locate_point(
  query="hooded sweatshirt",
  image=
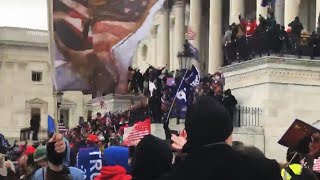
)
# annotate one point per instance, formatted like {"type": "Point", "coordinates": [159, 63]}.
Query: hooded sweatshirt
{"type": "Point", "coordinates": [113, 173]}
{"type": "Point", "coordinates": [115, 164]}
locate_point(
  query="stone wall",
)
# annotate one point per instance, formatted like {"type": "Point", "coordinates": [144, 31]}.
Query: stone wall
{"type": "Point", "coordinates": [284, 89]}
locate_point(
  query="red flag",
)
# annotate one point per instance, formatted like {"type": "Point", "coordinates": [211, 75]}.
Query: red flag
{"type": "Point", "coordinates": [138, 131]}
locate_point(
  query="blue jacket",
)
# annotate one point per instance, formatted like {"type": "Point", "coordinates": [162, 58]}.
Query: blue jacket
{"type": "Point", "coordinates": [76, 174]}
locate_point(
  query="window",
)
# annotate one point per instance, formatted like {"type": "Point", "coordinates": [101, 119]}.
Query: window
{"type": "Point", "coordinates": [36, 76]}
{"type": "Point", "coordinates": [64, 117]}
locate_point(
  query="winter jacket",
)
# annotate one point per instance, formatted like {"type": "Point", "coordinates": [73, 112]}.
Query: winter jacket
{"type": "Point", "coordinates": [76, 174]}
{"type": "Point", "coordinates": [221, 162]}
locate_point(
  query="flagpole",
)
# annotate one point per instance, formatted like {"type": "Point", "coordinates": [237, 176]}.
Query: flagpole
{"type": "Point", "coordinates": [175, 97]}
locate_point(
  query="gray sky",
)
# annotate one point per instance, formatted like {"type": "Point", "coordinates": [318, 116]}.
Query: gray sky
{"type": "Point", "coordinates": [24, 13]}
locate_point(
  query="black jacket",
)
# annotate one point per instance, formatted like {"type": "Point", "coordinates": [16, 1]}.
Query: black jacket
{"type": "Point", "coordinates": [221, 162]}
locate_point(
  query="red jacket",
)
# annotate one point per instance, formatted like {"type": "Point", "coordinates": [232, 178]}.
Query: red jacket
{"type": "Point", "coordinates": [113, 173]}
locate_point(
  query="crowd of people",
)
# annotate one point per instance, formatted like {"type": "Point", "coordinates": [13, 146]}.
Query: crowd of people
{"type": "Point", "coordinates": [243, 41]}
{"type": "Point", "coordinates": [198, 152]}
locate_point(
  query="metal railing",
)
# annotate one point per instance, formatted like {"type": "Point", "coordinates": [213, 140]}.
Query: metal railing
{"type": "Point", "coordinates": [262, 44]}
{"type": "Point", "coordinates": [246, 116]}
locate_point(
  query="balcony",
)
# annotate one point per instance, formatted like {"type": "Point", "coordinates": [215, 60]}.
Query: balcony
{"type": "Point", "coordinates": [266, 43]}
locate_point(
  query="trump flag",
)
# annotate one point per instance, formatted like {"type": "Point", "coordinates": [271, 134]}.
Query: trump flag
{"type": "Point", "coordinates": [93, 41]}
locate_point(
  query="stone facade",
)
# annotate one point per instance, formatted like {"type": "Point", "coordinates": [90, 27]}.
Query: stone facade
{"type": "Point", "coordinates": [22, 52]}
{"type": "Point", "coordinates": [284, 89]}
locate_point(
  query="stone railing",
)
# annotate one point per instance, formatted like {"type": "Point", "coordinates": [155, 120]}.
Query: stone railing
{"type": "Point", "coordinates": [246, 117]}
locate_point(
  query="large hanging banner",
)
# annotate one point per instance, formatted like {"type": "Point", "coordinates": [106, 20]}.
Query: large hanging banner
{"type": "Point", "coordinates": [93, 41]}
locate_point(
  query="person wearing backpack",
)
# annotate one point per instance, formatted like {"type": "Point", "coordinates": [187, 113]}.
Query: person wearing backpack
{"type": "Point", "coordinates": [293, 168]}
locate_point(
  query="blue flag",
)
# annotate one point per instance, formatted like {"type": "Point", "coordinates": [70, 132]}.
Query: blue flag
{"type": "Point", "coordinates": [186, 91]}
{"type": "Point", "coordinates": [89, 160]}
{"type": "Point", "coordinates": [51, 126]}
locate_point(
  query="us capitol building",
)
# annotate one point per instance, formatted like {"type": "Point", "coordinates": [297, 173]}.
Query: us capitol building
{"type": "Point", "coordinates": [284, 88]}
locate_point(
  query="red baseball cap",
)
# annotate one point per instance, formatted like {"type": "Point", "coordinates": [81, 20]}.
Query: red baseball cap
{"type": "Point", "coordinates": [92, 138]}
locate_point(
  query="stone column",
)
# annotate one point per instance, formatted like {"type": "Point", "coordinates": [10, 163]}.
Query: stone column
{"type": "Point", "coordinates": [164, 58]}
{"type": "Point", "coordinates": [195, 24]}
{"type": "Point", "coordinates": [215, 36]}
{"type": "Point", "coordinates": [154, 57]}
{"type": "Point", "coordinates": [291, 10]}
{"type": "Point", "coordinates": [279, 12]}
{"type": "Point", "coordinates": [261, 10]}
{"type": "Point", "coordinates": [317, 12]}
{"type": "Point", "coordinates": [179, 31]}
{"type": "Point", "coordinates": [195, 20]}
{"type": "Point", "coordinates": [237, 7]}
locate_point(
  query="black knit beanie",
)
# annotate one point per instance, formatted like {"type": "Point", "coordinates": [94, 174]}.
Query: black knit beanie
{"type": "Point", "coordinates": [152, 158]}
{"type": "Point", "coordinates": [207, 122]}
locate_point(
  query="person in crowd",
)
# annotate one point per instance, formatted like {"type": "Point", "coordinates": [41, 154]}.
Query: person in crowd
{"type": "Point", "coordinates": [230, 102]}
{"type": "Point", "coordinates": [8, 170]}
{"type": "Point", "coordinates": [35, 126]}
{"type": "Point", "coordinates": [283, 36]}
{"type": "Point", "coordinates": [114, 140]}
{"type": "Point", "coordinates": [296, 27]}
{"type": "Point", "coordinates": [314, 41]}
{"type": "Point", "coordinates": [92, 140]}
{"type": "Point", "coordinates": [56, 153]}
{"type": "Point", "coordinates": [81, 121]}
{"type": "Point", "coordinates": [102, 143]}
{"type": "Point", "coordinates": [152, 158]}
{"type": "Point", "coordinates": [115, 164]}
{"type": "Point", "coordinates": [40, 156]}
{"type": "Point", "coordinates": [135, 81]}
{"type": "Point", "coordinates": [293, 167]}
{"type": "Point", "coordinates": [155, 106]}
{"type": "Point", "coordinates": [140, 80]}
{"type": "Point", "coordinates": [218, 91]}
{"type": "Point", "coordinates": [227, 35]}
{"type": "Point", "coordinates": [209, 151]}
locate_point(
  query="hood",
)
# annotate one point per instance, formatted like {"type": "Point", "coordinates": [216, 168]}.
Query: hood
{"type": "Point", "coordinates": [113, 173]}
{"type": "Point", "coordinates": [116, 155]}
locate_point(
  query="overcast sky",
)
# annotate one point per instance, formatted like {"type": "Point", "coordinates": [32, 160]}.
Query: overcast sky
{"type": "Point", "coordinates": [24, 13]}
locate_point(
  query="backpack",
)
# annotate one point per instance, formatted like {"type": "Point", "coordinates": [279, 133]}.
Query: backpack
{"type": "Point", "coordinates": [292, 174]}
{"type": "Point", "coordinates": [303, 176]}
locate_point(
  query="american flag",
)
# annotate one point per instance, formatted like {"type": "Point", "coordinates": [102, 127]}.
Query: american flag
{"type": "Point", "coordinates": [316, 165]}
{"type": "Point", "coordinates": [138, 131]}
{"type": "Point", "coordinates": [101, 30]}
{"type": "Point", "coordinates": [190, 34]}
{"type": "Point", "coordinates": [62, 129]}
